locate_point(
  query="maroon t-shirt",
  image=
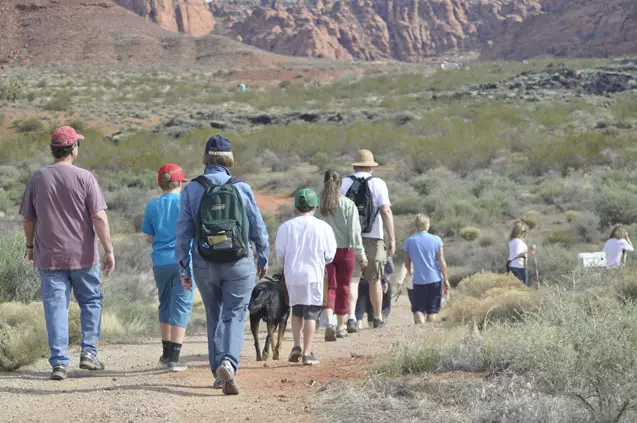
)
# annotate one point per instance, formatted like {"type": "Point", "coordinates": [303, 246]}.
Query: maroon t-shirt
{"type": "Point", "coordinates": [62, 198]}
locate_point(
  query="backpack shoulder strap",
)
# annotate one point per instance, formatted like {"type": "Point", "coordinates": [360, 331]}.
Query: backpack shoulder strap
{"type": "Point", "coordinates": [205, 182]}
{"type": "Point", "coordinates": [233, 180]}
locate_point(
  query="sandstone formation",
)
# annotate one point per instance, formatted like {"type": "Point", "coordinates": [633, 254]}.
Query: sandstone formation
{"type": "Point", "coordinates": [411, 30]}
{"type": "Point", "coordinates": [190, 17]}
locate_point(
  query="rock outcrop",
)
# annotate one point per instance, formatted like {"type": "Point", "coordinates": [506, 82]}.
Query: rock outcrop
{"type": "Point", "coordinates": [411, 30]}
{"type": "Point", "coordinates": [190, 17]}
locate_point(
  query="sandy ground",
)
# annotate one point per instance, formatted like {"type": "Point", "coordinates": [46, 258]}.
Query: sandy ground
{"type": "Point", "coordinates": [134, 389]}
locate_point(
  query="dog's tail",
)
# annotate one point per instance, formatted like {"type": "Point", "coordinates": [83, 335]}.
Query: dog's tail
{"type": "Point", "coordinates": [258, 299]}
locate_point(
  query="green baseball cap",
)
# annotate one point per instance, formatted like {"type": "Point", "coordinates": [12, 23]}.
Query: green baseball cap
{"type": "Point", "coordinates": [306, 197]}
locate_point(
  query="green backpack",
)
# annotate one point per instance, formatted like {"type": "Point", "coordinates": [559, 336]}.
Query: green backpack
{"type": "Point", "coordinates": [222, 223]}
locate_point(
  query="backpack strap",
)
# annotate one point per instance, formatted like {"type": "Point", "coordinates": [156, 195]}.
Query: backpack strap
{"type": "Point", "coordinates": [205, 182]}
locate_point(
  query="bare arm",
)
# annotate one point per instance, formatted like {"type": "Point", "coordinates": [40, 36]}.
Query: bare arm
{"type": "Point", "coordinates": [151, 239]}
{"type": "Point", "coordinates": [388, 224]}
{"type": "Point", "coordinates": [443, 266]}
{"type": "Point", "coordinates": [406, 264]}
{"type": "Point", "coordinates": [29, 229]}
{"type": "Point", "coordinates": [100, 223]}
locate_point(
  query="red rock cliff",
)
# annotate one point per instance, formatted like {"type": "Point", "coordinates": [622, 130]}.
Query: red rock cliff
{"type": "Point", "coordinates": [190, 17]}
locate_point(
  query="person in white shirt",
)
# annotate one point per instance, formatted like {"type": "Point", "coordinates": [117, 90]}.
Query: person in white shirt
{"type": "Point", "coordinates": [519, 252]}
{"type": "Point", "coordinates": [304, 245]}
{"type": "Point", "coordinates": [616, 247]}
{"type": "Point", "coordinates": [375, 223]}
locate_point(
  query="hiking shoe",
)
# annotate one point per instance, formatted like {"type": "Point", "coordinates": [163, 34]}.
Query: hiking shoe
{"type": "Point", "coordinates": [295, 355]}
{"type": "Point", "coordinates": [89, 361]}
{"type": "Point", "coordinates": [164, 361]}
{"type": "Point", "coordinates": [176, 366]}
{"type": "Point", "coordinates": [341, 333]}
{"type": "Point", "coordinates": [330, 334]}
{"type": "Point", "coordinates": [58, 372]}
{"type": "Point", "coordinates": [225, 372]}
{"type": "Point", "coordinates": [352, 327]}
{"type": "Point", "coordinates": [310, 360]}
{"type": "Point", "coordinates": [218, 384]}
{"type": "Point", "coordinates": [378, 324]}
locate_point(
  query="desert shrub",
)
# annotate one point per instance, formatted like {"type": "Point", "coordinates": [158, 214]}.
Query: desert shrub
{"type": "Point", "coordinates": [60, 102]}
{"type": "Point", "coordinates": [19, 281]}
{"type": "Point", "coordinates": [625, 284]}
{"type": "Point", "coordinates": [77, 124]}
{"type": "Point", "coordinates": [532, 219]}
{"type": "Point", "coordinates": [563, 237]}
{"type": "Point", "coordinates": [616, 204]}
{"type": "Point", "coordinates": [586, 224]}
{"type": "Point", "coordinates": [554, 262]}
{"type": "Point", "coordinates": [125, 316]}
{"type": "Point", "coordinates": [30, 125]}
{"type": "Point", "coordinates": [571, 215]}
{"type": "Point", "coordinates": [23, 337]}
{"type": "Point", "coordinates": [549, 190]}
{"type": "Point", "coordinates": [567, 354]}
{"type": "Point", "coordinates": [486, 240]}
{"type": "Point", "coordinates": [6, 203]}
{"type": "Point", "coordinates": [413, 360]}
{"type": "Point", "coordinates": [425, 184]}
{"type": "Point", "coordinates": [469, 233]}
{"type": "Point", "coordinates": [284, 84]}
{"type": "Point", "coordinates": [407, 205]}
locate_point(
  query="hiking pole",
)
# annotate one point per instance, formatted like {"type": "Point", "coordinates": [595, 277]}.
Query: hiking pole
{"type": "Point", "coordinates": [537, 272]}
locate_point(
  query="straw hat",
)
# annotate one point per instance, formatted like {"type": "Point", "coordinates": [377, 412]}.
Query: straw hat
{"type": "Point", "coordinates": [364, 158]}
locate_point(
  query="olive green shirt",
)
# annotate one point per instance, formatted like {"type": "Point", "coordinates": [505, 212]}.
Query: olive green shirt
{"type": "Point", "coordinates": [346, 226]}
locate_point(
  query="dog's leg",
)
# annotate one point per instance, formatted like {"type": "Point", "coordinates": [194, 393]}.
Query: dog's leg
{"type": "Point", "coordinates": [254, 327]}
{"type": "Point", "coordinates": [268, 340]}
{"type": "Point", "coordinates": [279, 341]}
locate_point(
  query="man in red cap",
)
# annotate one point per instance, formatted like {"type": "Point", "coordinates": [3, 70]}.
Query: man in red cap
{"type": "Point", "coordinates": [61, 242]}
{"type": "Point", "coordinates": [175, 302]}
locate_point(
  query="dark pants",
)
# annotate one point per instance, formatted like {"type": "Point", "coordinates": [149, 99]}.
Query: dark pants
{"type": "Point", "coordinates": [522, 274]}
{"type": "Point", "coordinates": [364, 303]}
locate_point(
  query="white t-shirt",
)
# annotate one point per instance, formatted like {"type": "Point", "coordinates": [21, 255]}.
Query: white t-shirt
{"type": "Point", "coordinates": [380, 196]}
{"type": "Point", "coordinates": [517, 246]}
{"type": "Point", "coordinates": [613, 249]}
{"type": "Point", "coordinates": [304, 245]}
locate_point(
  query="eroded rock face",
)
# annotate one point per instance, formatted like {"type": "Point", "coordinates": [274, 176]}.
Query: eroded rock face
{"type": "Point", "coordinates": [410, 30]}
{"type": "Point", "coordinates": [192, 17]}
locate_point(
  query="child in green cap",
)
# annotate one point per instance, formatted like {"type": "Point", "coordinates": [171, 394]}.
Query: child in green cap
{"type": "Point", "coordinates": [304, 245]}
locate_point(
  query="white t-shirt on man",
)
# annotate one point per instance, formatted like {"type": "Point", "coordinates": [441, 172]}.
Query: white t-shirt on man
{"type": "Point", "coordinates": [304, 245]}
{"type": "Point", "coordinates": [380, 196]}
{"type": "Point", "coordinates": [613, 249]}
{"type": "Point", "coordinates": [516, 247]}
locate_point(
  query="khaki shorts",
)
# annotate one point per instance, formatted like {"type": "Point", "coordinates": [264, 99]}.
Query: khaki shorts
{"type": "Point", "coordinates": [376, 259]}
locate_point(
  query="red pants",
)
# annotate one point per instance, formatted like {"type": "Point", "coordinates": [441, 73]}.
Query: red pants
{"type": "Point", "coordinates": [339, 273]}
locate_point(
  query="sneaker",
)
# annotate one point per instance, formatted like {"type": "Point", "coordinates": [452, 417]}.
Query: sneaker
{"type": "Point", "coordinates": [330, 334]}
{"type": "Point", "coordinates": [341, 333]}
{"type": "Point", "coordinates": [58, 372]}
{"type": "Point", "coordinates": [378, 324]}
{"type": "Point", "coordinates": [352, 327]}
{"type": "Point", "coordinates": [163, 361]}
{"type": "Point", "coordinates": [309, 360]}
{"type": "Point", "coordinates": [218, 384]}
{"type": "Point", "coordinates": [225, 372]}
{"type": "Point", "coordinates": [177, 367]}
{"type": "Point", "coordinates": [89, 361]}
{"type": "Point", "coordinates": [295, 355]}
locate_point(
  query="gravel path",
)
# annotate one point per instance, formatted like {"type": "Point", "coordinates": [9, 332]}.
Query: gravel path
{"type": "Point", "coordinates": [135, 389]}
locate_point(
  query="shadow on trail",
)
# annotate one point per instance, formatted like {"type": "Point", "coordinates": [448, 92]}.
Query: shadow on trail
{"type": "Point", "coordinates": [160, 389]}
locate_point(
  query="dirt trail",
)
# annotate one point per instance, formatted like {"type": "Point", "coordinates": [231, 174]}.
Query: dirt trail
{"type": "Point", "coordinates": [135, 389]}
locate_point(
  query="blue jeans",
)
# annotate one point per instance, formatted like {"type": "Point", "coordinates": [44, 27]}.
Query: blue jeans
{"type": "Point", "coordinates": [56, 297]}
{"type": "Point", "coordinates": [175, 302]}
{"type": "Point", "coordinates": [364, 303]}
{"type": "Point", "coordinates": [225, 290]}
{"type": "Point", "coordinates": [522, 274]}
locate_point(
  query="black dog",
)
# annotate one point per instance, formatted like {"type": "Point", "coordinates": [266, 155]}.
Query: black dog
{"type": "Point", "coordinates": [268, 303]}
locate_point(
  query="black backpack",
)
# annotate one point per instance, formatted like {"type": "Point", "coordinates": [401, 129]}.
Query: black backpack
{"type": "Point", "coordinates": [361, 195]}
{"type": "Point", "coordinates": [222, 223]}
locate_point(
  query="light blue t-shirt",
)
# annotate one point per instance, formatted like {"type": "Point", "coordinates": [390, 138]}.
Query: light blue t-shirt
{"type": "Point", "coordinates": [423, 252]}
{"type": "Point", "coordinates": [160, 221]}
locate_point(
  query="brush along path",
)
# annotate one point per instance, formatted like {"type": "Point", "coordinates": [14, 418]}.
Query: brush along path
{"type": "Point", "coordinates": [135, 389]}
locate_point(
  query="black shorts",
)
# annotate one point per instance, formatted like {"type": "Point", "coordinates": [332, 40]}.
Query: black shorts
{"type": "Point", "coordinates": [426, 298]}
{"type": "Point", "coordinates": [307, 312]}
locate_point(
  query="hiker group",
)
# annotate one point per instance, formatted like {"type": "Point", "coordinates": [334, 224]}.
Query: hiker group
{"type": "Point", "coordinates": [336, 255]}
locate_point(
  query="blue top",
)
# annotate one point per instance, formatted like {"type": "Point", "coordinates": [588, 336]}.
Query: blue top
{"type": "Point", "coordinates": [190, 200]}
{"type": "Point", "coordinates": [160, 222]}
{"type": "Point", "coordinates": [423, 252]}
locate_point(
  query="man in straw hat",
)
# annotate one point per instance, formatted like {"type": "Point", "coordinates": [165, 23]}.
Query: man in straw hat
{"type": "Point", "coordinates": [372, 201]}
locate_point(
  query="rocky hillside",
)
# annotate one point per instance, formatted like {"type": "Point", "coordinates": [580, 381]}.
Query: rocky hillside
{"type": "Point", "coordinates": [190, 17]}
{"type": "Point", "coordinates": [410, 30]}
{"type": "Point", "coordinates": [101, 32]}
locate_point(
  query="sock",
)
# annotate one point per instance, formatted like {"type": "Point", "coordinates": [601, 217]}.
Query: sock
{"type": "Point", "coordinates": [166, 346]}
{"type": "Point", "coordinates": [175, 350]}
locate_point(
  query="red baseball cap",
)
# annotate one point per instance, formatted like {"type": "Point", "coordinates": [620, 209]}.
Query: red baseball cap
{"type": "Point", "coordinates": [170, 173]}
{"type": "Point", "coordinates": [65, 136]}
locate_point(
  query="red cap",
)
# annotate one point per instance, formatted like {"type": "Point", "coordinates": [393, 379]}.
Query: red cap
{"type": "Point", "coordinates": [170, 173]}
{"type": "Point", "coordinates": [64, 137]}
